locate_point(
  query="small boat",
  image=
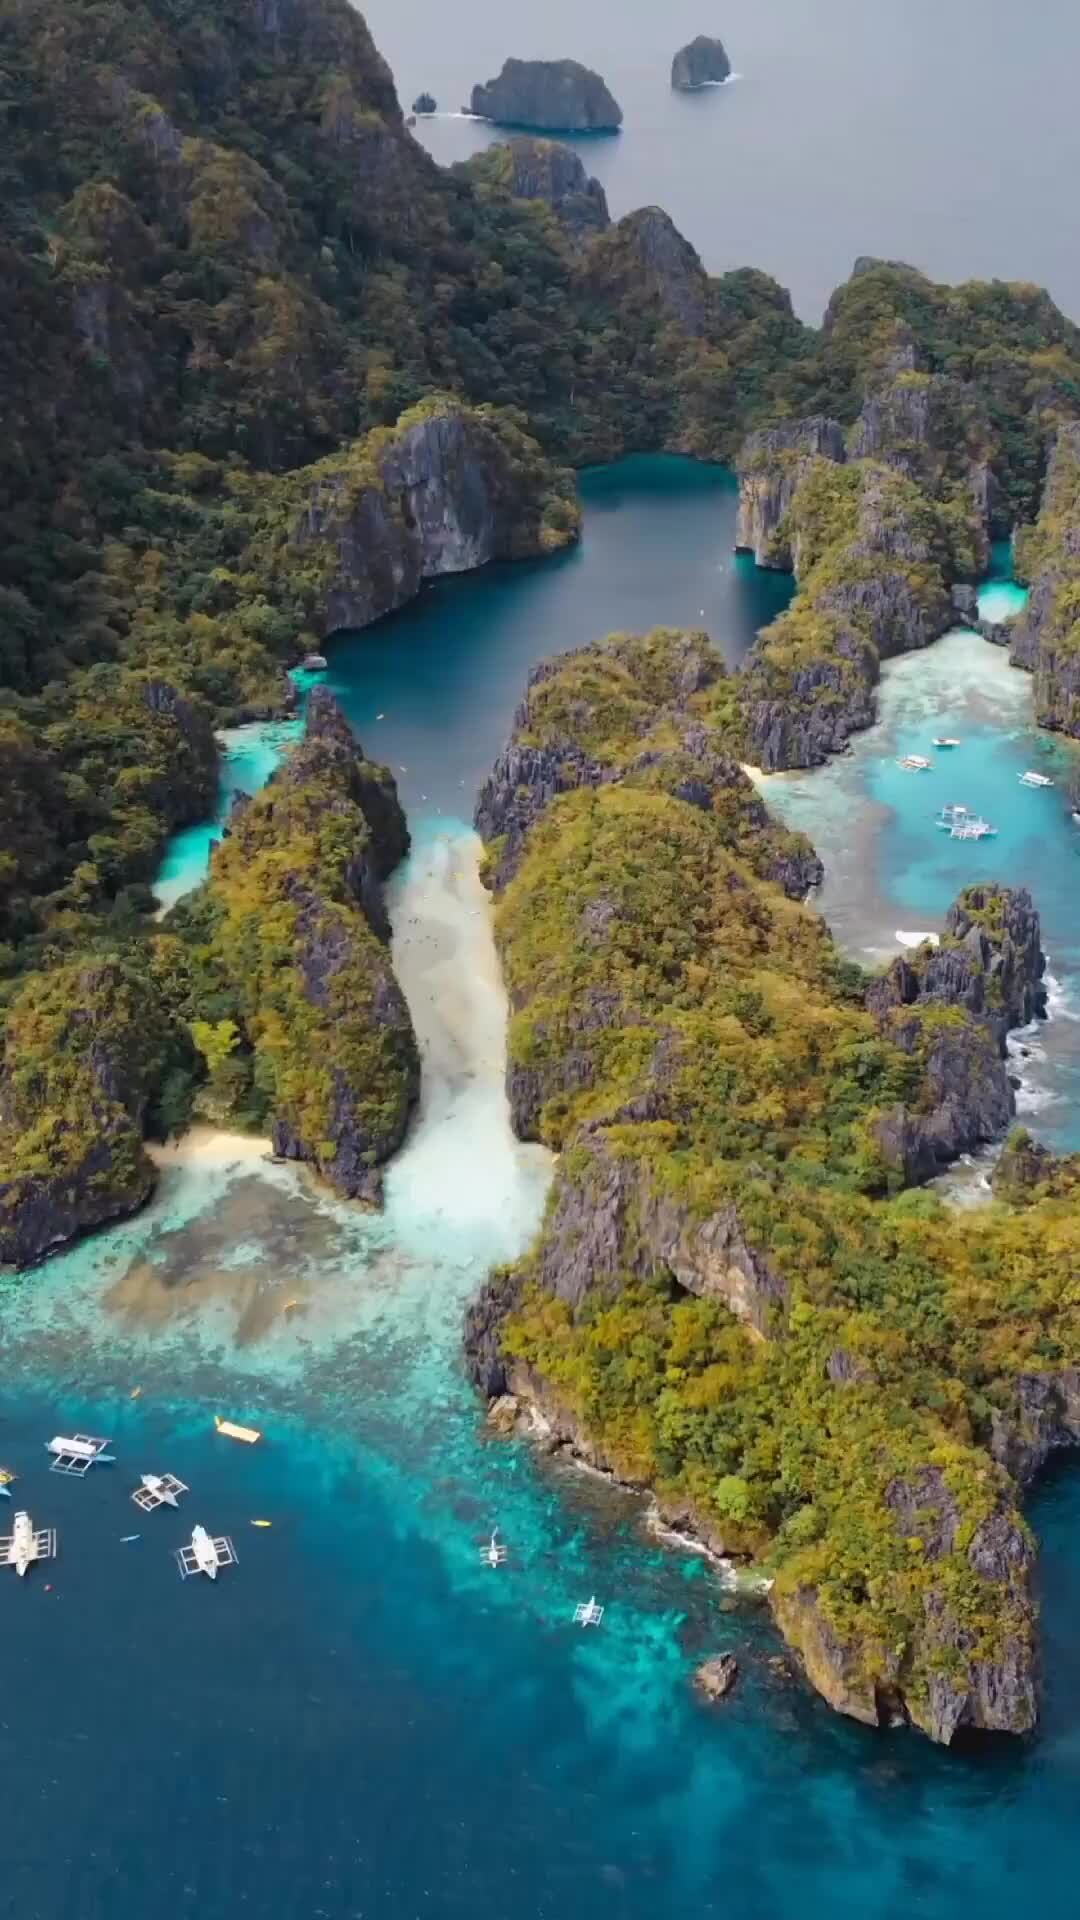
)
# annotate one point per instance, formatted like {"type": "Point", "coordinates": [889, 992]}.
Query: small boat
{"type": "Point", "coordinates": [587, 1613]}
{"type": "Point", "coordinates": [262, 1523]}
{"type": "Point", "coordinates": [914, 763]}
{"type": "Point", "coordinates": [1032, 779]}
{"type": "Point", "coordinates": [75, 1455]}
{"type": "Point", "coordinates": [494, 1554]}
{"type": "Point", "coordinates": [953, 816]}
{"type": "Point", "coordinates": [233, 1432]}
{"type": "Point", "coordinates": [6, 1478]}
{"type": "Point", "coordinates": [127, 1538]}
{"type": "Point", "coordinates": [314, 663]}
{"type": "Point", "coordinates": [973, 829]}
{"type": "Point", "coordinates": [206, 1554]}
{"type": "Point", "coordinates": [946, 743]}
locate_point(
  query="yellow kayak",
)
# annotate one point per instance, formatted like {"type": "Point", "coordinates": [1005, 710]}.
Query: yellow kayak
{"type": "Point", "coordinates": [262, 1523]}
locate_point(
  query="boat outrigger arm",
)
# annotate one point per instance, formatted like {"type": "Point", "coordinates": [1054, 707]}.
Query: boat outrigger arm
{"type": "Point", "coordinates": [206, 1553]}
{"type": "Point", "coordinates": [78, 1454]}
{"type": "Point", "coordinates": [494, 1554]}
{"type": "Point", "coordinates": [158, 1490]}
{"type": "Point", "coordinates": [26, 1543]}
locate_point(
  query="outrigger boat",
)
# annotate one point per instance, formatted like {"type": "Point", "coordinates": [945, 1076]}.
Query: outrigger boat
{"type": "Point", "coordinates": [206, 1554]}
{"type": "Point", "coordinates": [27, 1543]}
{"type": "Point", "coordinates": [78, 1454]}
{"type": "Point", "coordinates": [953, 816]}
{"type": "Point", "coordinates": [976, 829]}
{"type": "Point", "coordinates": [494, 1554]}
{"type": "Point", "coordinates": [1032, 779]}
{"type": "Point", "coordinates": [587, 1613]}
{"type": "Point", "coordinates": [914, 763]}
{"type": "Point", "coordinates": [946, 743]}
{"type": "Point", "coordinates": [158, 1490]}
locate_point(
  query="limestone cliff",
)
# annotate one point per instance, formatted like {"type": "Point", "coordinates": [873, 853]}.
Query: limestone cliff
{"type": "Point", "coordinates": [733, 1300]}
{"type": "Point", "coordinates": [83, 1050]}
{"type": "Point", "coordinates": [876, 558]}
{"type": "Point", "coordinates": [1046, 635]}
{"type": "Point", "coordinates": [548, 96]}
{"type": "Point", "coordinates": [546, 170]}
{"type": "Point", "coordinates": [701, 63]}
{"type": "Point", "coordinates": [771, 465]}
{"type": "Point", "coordinates": [645, 258]}
{"type": "Point", "coordinates": [295, 905]}
{"type": "Point", "coordinates": [669, 697]}
{"type": "Point", "coordinates": [448, 490]}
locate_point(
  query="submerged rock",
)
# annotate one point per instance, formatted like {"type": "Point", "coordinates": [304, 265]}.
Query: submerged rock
{"type": "Point", "coordinates": [716, 1677]}
{"type": "Point", "coordinates": [703, 62]}
{"type": "Point", "coordinates": [553, 96]}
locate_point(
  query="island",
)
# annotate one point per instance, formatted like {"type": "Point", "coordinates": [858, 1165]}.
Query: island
{"type": "Point", "coordinates": [702, 63]}
{"type": "Point", "coordinates": [548, 96]}
{"type": "Point", "coordinates": [425, 103]}
{"type": "Point", "coordinates": [741, 1299]}
{"type": "Point", "coordinates": [240, 422]}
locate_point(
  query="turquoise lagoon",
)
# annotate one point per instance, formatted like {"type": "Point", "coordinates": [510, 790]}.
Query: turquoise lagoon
{"type": "Point", "coordinates": [362, 1721]}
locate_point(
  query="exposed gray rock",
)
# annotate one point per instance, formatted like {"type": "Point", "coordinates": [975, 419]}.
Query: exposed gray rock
{"type": "Point", "coordinates": [1042, 637]}
{"type": "Point", "coordinates": [935, 431]}
{"type": "Point", "coordinates": [549, 96]}
{"type": "Point", "coordinates": [992, 972]}
{"type": "Point", "coordinates": [702, 63]}
{"type": "Point", "coordinates": [449, 498]}
{"type": "Point", "coordinates": [771, 464]}
{"type": "Point", "coordinates": [716, 1677]}
{"type": "Point", "coordinates": [547, 170]}
{"type": "Point", "coordinates": [646, 254]}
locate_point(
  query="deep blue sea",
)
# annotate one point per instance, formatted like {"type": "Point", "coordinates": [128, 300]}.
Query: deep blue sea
{"type": "Point", "coordinates": [940, 134]}
{"type": "Point", "coordinates": [361, 1721]}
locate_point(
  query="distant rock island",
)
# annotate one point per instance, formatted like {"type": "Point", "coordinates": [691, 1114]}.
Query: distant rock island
{"type": "Point", "coordinates": [703, 63]}
{"type": "Point", "coordinates": [553, 96]}
{"type": "Point", "coordinates": [425, 103]}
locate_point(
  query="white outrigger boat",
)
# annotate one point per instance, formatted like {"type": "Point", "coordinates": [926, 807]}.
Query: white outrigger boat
{"type": "Point", "coordinates": [78, 1454]}
{"type": "Point", "coordinates": [945, 743]}
{"type": "Point", "coordinates": [914, 763]}
{"type": "Point", "coordinates": [1033, 779]}
{"type": "Point", "coordinates": [587, 1613]}
{"type": "Point", "coordinates": [158, 1490]}
{"type": "Point", "coordinates": [27, 1543]}
{"type": "Point", "coordinates": [206, 1554]}
{"type": "Point", "coordinates": [494, 1554]}
{"type": "Point", "coordinates": [975, 829]}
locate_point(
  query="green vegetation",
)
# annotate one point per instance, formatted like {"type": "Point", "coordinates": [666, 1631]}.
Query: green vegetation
{"type": "Point", "coordinates": [694, 1046]}
{"type": "Point", "coordinates": [280, 969]}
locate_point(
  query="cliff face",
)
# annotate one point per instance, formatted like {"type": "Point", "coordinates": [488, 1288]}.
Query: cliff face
{"type": "Point", "coordinates": [295, 896]}
{"type": "Point", "coordinates": [551, 96]}
{"type": "Point", "coordinates": [449, 490]}
{"type": "Point", "coordinates": [669, 698]}
{"type": "Point", "coordinates": [703, 62]}
{"type": "Point", "coordinates": [948, 1678]}
{"type": "Point", "coordinates": [645, 257]}
{"type": "Point", "coordinates": [876, 556]}
{"type": "Point", "coordinates": [84, 1048]}
{"type": "Point", "coordinates": [990, 966]}
{"type": "Point", "coordinates": [733, 1300]}
{"type": "Point", "coordinates": [934, 430]}
{"type": "Point", "coordinates": [1045, 637]}
{"type": "Point", "coordinates": [548, 171]}
{"type": "Point", "coordinates": [771, 465]}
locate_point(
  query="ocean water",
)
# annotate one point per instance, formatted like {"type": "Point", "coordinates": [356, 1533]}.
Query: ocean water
{"type": "Point", "coordinates": [889, 869]}
{"type": "Point", "coordinates": [851, 129]}
{"type": "Point", "coordinates": [361, 1719]}
{"type": "Point", "coordinates": [433, 691]}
